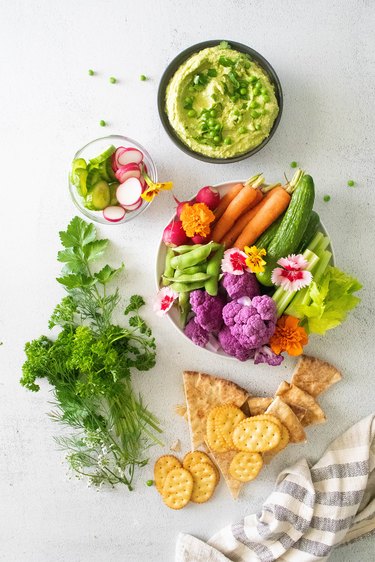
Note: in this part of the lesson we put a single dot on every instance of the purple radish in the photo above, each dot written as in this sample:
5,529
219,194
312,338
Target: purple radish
114,213
129,156
129,192
135,206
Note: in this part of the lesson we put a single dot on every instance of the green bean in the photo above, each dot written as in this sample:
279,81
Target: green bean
190,278
213,269
194,257
184,306
187,287
168,269
199,268
185,248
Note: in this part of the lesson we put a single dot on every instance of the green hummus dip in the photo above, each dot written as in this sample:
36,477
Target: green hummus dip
220,103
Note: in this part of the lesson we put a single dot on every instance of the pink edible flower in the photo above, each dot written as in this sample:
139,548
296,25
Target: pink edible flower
234,262
164,300
293,262
292,276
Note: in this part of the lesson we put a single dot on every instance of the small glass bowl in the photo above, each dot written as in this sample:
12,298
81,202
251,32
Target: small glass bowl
91,150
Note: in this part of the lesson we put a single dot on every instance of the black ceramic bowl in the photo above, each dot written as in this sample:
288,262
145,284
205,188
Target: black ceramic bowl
180,59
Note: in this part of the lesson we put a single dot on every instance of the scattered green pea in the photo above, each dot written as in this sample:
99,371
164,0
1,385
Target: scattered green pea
254,104
217,127
102,123
227,140
91,72
327,198
149,483
143,78
351,183
217,138
112,80
211,122
293,164
213,113
242,130
263,90
243,91
192,113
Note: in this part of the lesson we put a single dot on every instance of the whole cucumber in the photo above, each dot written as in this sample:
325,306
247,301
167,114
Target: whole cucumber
311,229
291,230
268,235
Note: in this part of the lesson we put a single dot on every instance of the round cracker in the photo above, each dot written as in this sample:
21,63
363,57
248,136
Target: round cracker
245,466
204,479
285,437
270,417
226,419
195,457
162,467
256,435
178,487
215,440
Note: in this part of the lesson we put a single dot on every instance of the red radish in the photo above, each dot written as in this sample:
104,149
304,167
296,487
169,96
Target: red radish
129,192
135,206
128,171
209,196
180,205
198,239
114,213
129,155
174,234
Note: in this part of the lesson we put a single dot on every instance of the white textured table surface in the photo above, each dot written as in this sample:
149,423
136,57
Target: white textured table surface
324,55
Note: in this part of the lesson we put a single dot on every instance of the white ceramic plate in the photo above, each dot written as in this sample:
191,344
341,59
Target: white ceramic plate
173,314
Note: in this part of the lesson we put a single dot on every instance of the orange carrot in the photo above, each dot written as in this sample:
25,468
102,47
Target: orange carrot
228,197
272,207
243,201
240,224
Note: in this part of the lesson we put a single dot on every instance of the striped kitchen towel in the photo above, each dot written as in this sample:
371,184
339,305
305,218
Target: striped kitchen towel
310,512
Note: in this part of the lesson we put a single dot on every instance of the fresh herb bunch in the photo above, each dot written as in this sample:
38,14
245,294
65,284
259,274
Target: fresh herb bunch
89,366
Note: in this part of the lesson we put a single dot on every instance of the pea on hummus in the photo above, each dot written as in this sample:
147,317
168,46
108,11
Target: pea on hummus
220,103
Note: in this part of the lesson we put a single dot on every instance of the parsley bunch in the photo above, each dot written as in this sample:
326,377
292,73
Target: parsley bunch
89,366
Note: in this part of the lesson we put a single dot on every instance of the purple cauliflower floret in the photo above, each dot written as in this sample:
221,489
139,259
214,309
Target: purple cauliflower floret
238,286
265,355
231,346
196,333
252,323
208,310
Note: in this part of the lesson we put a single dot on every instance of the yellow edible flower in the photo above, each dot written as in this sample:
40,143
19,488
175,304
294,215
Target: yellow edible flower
254,260
154,189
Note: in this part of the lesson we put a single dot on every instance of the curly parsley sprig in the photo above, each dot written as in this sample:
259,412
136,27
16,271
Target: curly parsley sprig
89,365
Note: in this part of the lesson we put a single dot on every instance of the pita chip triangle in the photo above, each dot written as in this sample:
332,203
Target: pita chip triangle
314,376
223,461
203,392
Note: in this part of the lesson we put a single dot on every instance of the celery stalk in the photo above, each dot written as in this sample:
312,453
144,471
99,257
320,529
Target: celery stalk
303,296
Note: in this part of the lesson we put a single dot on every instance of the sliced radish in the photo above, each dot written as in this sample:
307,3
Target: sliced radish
135,206
128,156
114,213
113,162
128,171
129,192
117,154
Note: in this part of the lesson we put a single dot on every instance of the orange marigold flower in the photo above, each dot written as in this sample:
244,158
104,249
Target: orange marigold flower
288,336
196,219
